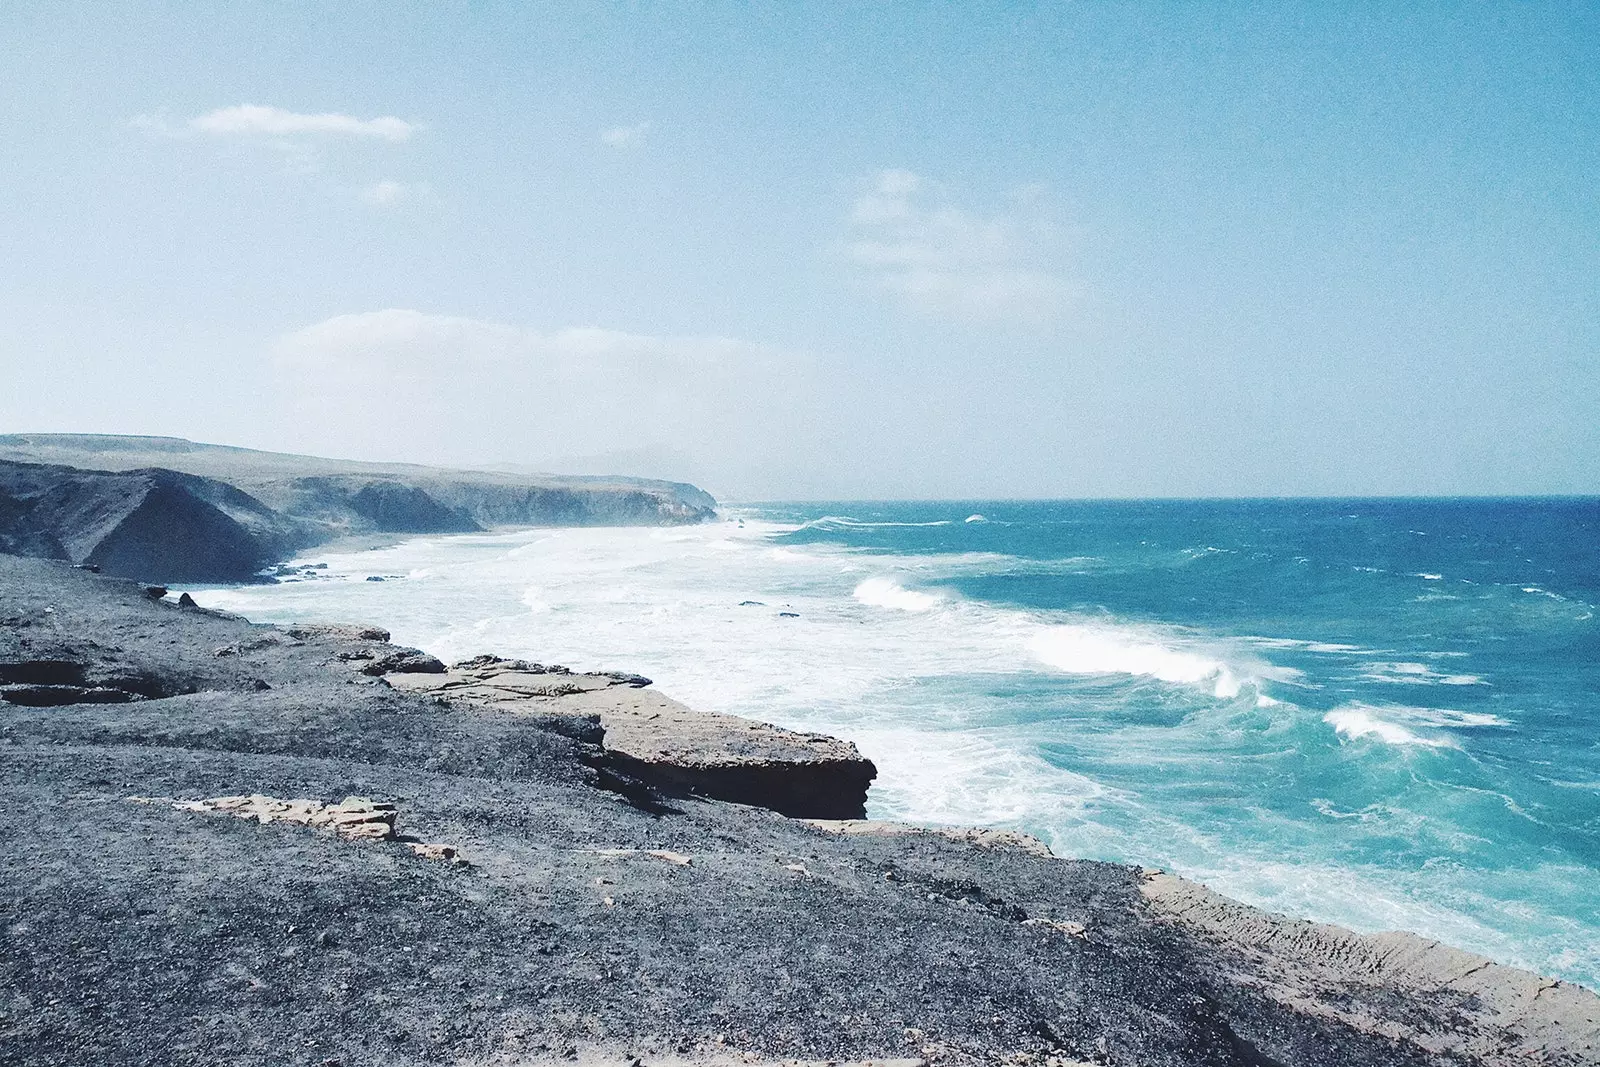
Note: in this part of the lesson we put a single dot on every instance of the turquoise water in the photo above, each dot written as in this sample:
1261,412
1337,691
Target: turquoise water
1380,713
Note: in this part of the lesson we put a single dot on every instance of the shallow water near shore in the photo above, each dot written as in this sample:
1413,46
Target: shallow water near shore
1384,714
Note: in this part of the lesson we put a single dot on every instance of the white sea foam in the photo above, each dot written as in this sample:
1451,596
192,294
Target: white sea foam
887,593
1408,673
1080,649
845,522
1327,647
975,518
1399,723
1356,721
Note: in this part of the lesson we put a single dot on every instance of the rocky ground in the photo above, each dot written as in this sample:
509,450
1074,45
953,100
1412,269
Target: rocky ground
229,843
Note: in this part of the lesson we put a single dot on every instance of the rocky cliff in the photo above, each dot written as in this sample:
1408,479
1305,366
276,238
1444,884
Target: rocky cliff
163,509
346,496
158,525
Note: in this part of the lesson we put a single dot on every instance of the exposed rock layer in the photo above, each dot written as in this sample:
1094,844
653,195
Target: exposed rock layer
658,740
1482,1009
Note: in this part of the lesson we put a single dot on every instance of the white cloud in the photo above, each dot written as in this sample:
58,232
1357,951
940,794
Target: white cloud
405,382
621,136
909,240
296,137
403,341
389,192
254,120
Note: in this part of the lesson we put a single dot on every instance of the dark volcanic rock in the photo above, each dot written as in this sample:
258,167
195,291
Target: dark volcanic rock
371,505
54,696
150,524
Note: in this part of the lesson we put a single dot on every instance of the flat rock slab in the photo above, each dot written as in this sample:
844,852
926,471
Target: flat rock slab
669,744
982,837
1486,1013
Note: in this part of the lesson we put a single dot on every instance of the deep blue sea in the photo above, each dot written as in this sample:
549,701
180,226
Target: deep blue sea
1383,713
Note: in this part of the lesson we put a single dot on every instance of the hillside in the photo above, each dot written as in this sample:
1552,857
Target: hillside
357,497
164,509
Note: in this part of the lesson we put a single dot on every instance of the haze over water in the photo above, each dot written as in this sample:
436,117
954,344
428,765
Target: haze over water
1374,712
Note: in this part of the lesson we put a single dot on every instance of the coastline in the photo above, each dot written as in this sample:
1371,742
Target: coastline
1080,961
672,604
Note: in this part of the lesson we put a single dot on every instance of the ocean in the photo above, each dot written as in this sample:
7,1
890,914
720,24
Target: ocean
1379,713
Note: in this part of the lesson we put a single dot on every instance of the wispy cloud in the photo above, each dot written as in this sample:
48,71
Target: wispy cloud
254,120
406,341
909,239
389,192
297,137
621,136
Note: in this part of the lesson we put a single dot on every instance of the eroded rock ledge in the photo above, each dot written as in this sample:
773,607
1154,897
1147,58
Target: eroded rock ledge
1481,1011
673,747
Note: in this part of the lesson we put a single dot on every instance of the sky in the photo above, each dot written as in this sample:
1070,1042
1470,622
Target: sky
823,250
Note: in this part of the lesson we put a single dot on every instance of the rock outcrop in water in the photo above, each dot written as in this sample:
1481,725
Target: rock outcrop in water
596,918
161,509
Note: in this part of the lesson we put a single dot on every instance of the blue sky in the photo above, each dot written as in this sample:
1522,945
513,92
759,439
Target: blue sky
820,250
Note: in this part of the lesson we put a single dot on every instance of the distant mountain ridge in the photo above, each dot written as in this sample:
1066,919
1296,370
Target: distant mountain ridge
167,509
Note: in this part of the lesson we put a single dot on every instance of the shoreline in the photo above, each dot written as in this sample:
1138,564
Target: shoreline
669,920
1234,874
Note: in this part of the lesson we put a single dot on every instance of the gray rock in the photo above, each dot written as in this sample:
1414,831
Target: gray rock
654,738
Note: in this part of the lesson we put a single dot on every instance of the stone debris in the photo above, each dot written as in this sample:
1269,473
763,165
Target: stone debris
305,631
1071,929
356,818
398,660
353,818
430,850
677,859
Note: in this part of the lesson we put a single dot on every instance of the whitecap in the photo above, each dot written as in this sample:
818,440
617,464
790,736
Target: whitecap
1079,649
1355,721
845,522
887,593
1415,674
